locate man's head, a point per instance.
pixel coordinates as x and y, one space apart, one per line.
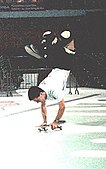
36 94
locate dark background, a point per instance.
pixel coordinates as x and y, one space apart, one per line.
89 32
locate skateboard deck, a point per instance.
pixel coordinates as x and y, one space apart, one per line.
32 51
47 128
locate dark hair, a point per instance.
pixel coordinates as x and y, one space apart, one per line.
34 92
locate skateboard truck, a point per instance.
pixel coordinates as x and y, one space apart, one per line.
58 127
43 128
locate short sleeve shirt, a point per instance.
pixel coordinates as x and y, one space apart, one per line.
52 92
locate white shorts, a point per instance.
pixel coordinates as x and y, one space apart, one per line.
58 77
55 83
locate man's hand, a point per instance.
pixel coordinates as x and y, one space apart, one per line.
43 124
54 125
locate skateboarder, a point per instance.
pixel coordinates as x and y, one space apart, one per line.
52 87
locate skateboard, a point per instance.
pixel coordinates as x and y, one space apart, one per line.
32 51
46 128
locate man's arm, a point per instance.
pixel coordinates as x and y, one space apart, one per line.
44 112
59 114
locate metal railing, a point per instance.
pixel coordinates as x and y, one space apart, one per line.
25 78
20 79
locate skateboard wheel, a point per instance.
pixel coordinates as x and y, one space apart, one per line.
60 127
52 127
39 130
45 129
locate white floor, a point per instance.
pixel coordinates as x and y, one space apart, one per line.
80 145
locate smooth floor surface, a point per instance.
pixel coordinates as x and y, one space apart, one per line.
81 144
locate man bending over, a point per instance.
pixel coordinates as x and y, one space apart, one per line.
52 87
